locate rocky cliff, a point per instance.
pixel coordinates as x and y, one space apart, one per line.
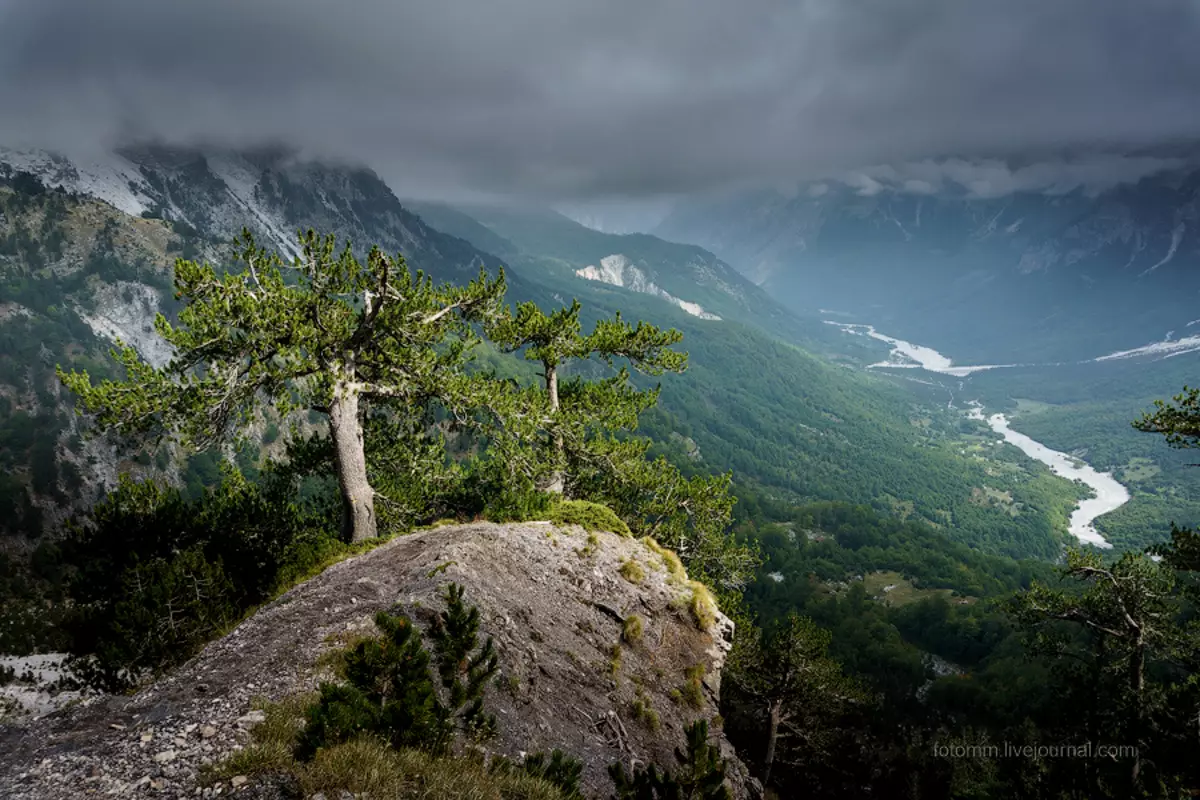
558 601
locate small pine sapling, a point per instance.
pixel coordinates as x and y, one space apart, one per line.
464 666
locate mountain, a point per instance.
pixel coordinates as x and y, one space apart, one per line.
560 250
216 192
1027 276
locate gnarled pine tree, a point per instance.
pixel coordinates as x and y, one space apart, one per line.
327 333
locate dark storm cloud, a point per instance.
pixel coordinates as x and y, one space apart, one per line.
588 97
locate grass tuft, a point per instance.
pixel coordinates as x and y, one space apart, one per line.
631 631
703 606
368 767
692 691
632 571
675 571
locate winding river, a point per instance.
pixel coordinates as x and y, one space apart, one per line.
1109 494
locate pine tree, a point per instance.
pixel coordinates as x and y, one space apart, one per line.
388 692
1178 421
700 776
797 686
583 447
574 408
1131 609
328 333
464 670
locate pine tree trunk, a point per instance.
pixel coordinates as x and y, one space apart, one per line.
1093 715
1137 684
557 482
772 736
358 498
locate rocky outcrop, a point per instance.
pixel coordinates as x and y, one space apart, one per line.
556 600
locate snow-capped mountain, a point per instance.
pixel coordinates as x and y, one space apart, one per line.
1049 273
217 191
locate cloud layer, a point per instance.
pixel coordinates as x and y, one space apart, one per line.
607 97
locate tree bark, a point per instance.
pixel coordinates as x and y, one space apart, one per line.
1137 684
358 498
772 737
557 482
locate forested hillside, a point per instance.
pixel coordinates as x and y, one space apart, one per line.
753 402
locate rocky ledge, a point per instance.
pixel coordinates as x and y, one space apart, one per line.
555 599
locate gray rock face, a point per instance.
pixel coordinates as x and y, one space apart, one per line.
554 600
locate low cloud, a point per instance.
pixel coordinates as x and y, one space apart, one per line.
621 98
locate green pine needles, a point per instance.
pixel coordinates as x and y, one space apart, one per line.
700 776
465 668
390 692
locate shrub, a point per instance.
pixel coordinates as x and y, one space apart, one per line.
390 693
701 775
131 560
589 516
464 672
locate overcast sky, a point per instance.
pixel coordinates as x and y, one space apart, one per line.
587 98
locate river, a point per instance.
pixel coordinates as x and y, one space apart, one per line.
1109 494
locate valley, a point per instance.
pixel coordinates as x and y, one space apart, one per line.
1109 494
1005 382
873 475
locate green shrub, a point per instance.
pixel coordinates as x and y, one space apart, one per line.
464 666
132 558
389 691
589 516
701 775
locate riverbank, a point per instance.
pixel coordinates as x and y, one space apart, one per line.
1110 494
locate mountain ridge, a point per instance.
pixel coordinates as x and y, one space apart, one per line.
1005 277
